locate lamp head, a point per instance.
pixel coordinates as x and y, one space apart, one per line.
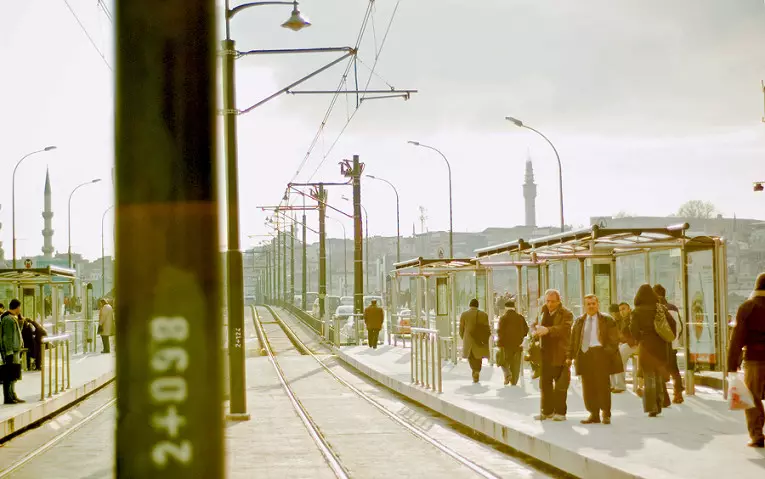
758 187
415 143
49 148
96 180
371 176
516 121
297 21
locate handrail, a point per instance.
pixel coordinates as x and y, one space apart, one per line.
56 344
426 368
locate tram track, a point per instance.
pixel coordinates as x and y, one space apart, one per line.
325 445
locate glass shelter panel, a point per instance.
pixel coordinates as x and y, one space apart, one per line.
572 296
630 274
702 318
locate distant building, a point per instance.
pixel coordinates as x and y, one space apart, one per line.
47 215
530 195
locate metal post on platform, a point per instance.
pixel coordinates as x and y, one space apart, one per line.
50 370
42 366
321 198
170 422
68 367
291 298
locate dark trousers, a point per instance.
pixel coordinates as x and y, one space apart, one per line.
754 378
9 387
553 385
372 337
654 391
596 382
512 366
475 363
674 371
106 343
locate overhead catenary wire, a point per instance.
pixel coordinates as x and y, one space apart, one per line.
90 39
366 87
105 9
335 97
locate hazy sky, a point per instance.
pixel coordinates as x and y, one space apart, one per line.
649 103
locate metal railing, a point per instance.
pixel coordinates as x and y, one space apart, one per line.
425 358
84 332
53 347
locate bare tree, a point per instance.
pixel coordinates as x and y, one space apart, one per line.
696 209
623 214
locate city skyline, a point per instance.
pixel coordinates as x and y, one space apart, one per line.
629 124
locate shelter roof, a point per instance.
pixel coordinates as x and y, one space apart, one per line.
594 239
424 265
48 274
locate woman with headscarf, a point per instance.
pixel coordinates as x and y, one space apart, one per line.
652 354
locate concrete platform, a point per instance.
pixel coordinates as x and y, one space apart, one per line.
698 439
89 372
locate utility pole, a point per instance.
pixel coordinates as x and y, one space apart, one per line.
321 196
358 259
267 298
305 268
292 262
285 286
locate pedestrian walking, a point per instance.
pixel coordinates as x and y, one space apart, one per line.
105 324
475 331
618 380
10 351
749 334
373 319
555 337
652 348
510 333
595 353
674 320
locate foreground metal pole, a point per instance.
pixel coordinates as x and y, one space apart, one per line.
169 384
291 298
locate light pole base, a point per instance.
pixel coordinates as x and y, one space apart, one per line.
238 416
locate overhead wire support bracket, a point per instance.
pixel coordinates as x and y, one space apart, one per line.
288 51
332 92
294 84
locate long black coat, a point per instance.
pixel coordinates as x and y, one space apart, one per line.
608 335
511 330
653 349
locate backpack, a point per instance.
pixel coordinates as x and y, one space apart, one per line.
481 333
661 325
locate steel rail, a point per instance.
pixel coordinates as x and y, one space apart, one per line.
313 430
411 427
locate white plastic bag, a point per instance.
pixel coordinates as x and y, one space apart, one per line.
739 396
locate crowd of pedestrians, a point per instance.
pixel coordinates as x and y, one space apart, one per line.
599 346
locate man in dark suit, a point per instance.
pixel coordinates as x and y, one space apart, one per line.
595 351
511 331
471 349
555 335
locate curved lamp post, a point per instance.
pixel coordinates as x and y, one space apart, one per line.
103 268
235 269
398 216
69 214
13 196
520 124
451 222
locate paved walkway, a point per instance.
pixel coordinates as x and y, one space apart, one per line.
698 439
89 372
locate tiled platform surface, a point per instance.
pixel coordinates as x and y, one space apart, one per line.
698 439
89 372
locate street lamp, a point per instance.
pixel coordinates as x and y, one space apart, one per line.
235 269
398 217
13 196
103 268
451 223
366 239
69 214
520 124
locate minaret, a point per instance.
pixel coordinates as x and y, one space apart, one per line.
47 215
530 194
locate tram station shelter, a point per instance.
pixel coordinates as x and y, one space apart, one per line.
608 262
33 285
